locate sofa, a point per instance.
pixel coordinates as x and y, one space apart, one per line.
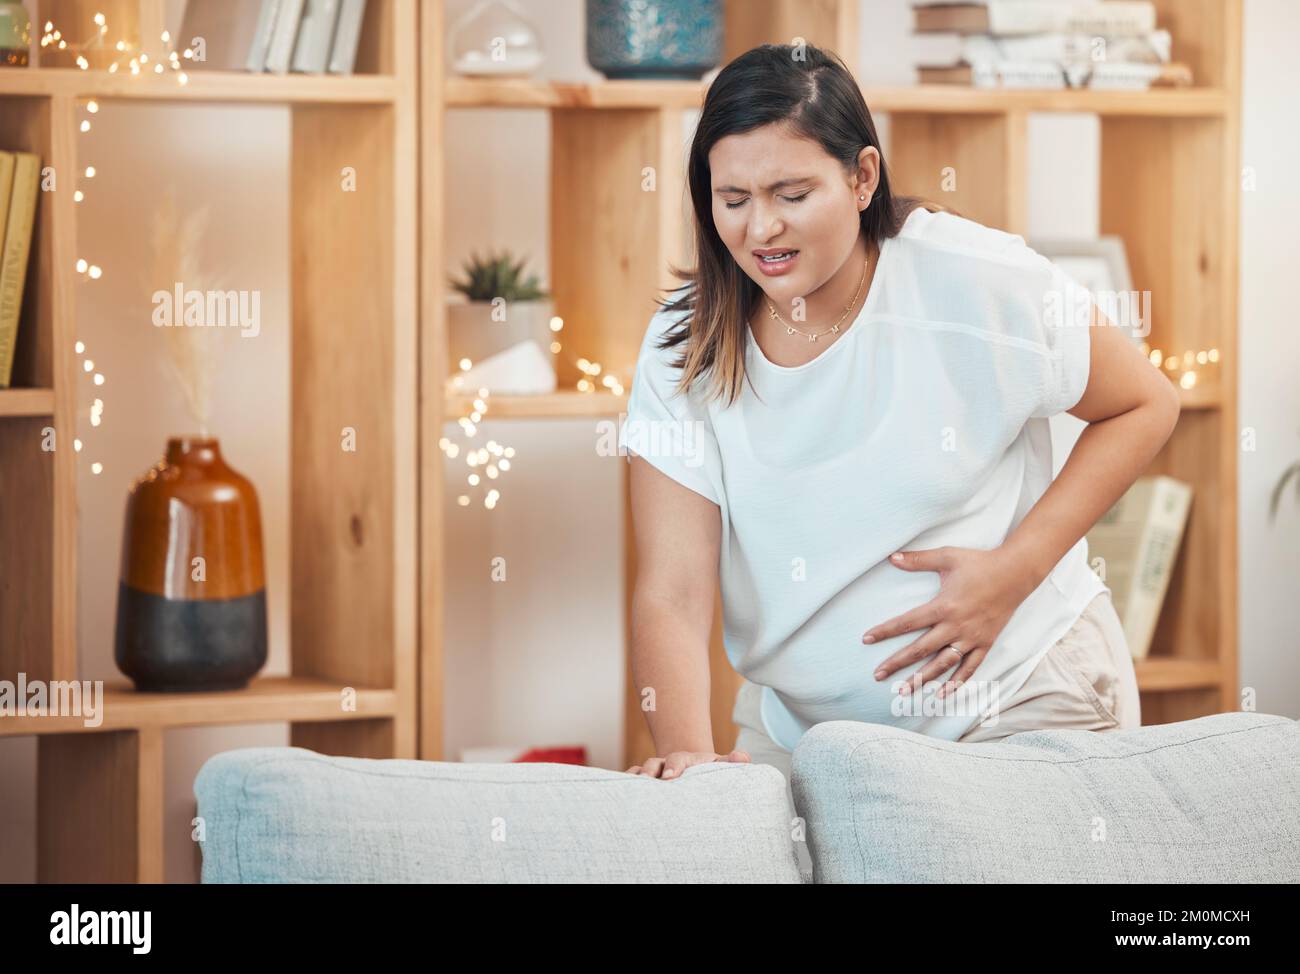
1216 799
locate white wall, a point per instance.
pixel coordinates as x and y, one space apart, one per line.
1269 557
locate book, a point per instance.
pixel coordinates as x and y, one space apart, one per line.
284 36
1135 61
7 162
315 36
262 34
1137 540
21 218
1000 74
227 30
1131 77
343 53
1007 17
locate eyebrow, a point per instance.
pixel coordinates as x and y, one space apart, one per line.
779 184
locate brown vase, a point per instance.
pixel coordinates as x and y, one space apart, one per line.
191 603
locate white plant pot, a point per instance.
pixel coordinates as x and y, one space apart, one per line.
473 334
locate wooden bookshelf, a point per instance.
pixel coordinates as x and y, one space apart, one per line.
354 620
1170 159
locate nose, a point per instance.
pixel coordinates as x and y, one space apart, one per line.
764 224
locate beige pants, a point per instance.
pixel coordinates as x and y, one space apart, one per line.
1085 682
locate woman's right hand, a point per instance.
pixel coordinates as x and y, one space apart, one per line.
672 765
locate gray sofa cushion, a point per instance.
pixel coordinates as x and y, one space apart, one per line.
1216 799
290 815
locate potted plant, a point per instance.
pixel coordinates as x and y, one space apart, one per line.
502 309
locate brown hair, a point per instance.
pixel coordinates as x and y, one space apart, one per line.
813 92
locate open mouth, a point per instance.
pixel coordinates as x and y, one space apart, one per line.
780 258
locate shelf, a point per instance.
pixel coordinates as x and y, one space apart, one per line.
203 86
555 405
1204 396
265 700
26 402
954 99
929 99
1156 673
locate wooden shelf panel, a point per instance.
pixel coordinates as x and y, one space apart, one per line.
26 402
953 99
929 99
202 86
1207 395
1156 673
554 405
264 700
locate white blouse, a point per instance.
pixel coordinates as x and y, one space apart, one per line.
923 424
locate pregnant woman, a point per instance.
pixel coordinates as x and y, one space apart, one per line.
844 418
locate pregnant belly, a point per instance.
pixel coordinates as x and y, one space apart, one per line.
823 671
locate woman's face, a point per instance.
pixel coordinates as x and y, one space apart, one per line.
774 191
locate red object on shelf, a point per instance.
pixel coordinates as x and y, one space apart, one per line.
554 755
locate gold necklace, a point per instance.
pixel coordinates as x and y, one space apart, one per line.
835 328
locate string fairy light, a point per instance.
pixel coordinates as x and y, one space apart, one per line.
486 463
1181 367
135 61
95 411
494 459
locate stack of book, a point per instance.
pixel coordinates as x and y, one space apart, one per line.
20 174
277 36
1112 44
1137 542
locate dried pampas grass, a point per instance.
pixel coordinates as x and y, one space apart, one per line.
192 352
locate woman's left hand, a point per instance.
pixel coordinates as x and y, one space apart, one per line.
979 591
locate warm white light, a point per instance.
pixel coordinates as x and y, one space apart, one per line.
85 125
81 266
96 467
90 172
557 323
95 272
99 379
76 445
88 365
465 365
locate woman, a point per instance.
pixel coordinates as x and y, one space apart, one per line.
844 417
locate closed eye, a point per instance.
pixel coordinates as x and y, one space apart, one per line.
788 199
